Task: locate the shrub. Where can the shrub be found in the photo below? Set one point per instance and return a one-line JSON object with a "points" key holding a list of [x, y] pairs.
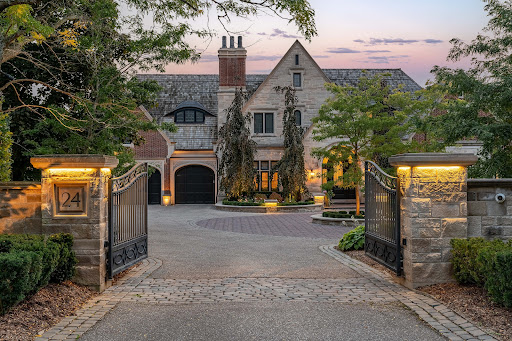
{"points": [[293, 203], [352, 240], [260, 197], [276, 196], [499, 284], [341, 214], [485, 263], [29, 262], [241, 203]]}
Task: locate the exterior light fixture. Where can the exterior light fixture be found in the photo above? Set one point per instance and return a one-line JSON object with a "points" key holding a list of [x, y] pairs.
{"points": [[166, 198], [319, 199]]}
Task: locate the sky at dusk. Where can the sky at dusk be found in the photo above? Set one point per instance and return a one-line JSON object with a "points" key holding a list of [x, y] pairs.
{"points": [[408, 34]]}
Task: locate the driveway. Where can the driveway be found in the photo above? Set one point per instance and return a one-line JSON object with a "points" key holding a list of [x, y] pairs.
{"points": [[231, 276]]}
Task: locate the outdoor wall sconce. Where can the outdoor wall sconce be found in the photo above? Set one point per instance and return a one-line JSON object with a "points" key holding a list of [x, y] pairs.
{"points": [[166, 198]]}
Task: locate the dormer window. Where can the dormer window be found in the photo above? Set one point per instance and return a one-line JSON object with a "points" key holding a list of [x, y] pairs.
{"points": [[189, 112], [297, 80]]}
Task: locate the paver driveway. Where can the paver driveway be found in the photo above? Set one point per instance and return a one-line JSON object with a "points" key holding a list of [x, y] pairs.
{"points": [[227, 276]]}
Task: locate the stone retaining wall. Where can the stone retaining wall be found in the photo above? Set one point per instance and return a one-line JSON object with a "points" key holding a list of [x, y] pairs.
{"points": [[20, 207], [487, 217]]}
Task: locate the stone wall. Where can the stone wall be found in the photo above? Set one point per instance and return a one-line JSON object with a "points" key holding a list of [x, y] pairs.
{"points": [[486, 217], [20, 207]]}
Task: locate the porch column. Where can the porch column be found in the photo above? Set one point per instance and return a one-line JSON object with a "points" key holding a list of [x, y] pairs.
{"points": [[74, 198], [433, 206]]}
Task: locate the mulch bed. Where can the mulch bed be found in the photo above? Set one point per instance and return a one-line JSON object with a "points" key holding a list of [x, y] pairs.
{"points": [[43, 310], [471, 302]]}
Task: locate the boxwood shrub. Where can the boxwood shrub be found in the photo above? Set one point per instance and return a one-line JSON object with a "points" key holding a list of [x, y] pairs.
{"points": [[485, 263], [343, 214], [30, 262]]}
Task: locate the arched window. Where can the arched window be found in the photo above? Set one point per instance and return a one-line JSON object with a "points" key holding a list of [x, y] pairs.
{"points": [[189, 112], [298, 118]]}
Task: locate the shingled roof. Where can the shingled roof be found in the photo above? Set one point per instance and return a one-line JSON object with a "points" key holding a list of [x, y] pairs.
{"points": [[177, 88]]}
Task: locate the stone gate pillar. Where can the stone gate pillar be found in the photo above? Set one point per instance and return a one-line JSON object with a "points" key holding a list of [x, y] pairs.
{"points": [[74, 199], [433, 207]]}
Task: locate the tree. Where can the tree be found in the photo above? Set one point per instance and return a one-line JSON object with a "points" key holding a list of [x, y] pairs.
{"points": [[83, 58], [291, 168], [480, 103], [370, 122], [236, 168]]}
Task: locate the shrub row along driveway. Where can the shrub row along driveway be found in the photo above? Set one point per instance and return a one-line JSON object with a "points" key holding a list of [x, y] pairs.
{"points": [[213, 284]]}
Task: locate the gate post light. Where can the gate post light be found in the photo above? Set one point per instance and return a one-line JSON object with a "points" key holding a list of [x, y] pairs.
{"points": [[75, 199], [433, 209], [166, 198]]}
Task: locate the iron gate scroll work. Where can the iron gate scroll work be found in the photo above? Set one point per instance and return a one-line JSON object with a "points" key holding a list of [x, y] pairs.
{"points": [[382, 218], [128, 219]]}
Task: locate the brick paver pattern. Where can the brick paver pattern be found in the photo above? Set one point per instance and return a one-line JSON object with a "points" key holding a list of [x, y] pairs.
{"points": [[373, 286], [288, 225]]}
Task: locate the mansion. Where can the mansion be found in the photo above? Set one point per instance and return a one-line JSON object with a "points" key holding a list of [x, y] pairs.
{"points": [[186, 161]]}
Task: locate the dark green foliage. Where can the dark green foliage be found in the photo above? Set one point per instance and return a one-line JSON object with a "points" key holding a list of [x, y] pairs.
{"points": [[241, 203], [291, 168], [343, 214], [29, 262], [295, 203], [478, 100], [485, 263], [352, 240], [237, 149], [499, 280], [464, 259], [5, 147]]}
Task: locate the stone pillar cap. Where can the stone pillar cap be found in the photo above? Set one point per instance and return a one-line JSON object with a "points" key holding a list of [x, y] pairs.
{"points": [[74, 161], [433, 159]]}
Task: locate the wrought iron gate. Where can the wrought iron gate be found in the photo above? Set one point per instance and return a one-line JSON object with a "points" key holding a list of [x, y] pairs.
{"points": [[382, 218], [128, 219]]}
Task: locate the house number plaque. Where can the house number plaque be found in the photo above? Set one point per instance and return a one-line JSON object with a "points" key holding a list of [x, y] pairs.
{"points": [[70, 199]]}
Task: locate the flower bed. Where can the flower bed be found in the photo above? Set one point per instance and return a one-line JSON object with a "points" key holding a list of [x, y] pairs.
{"points": [[343, 214]]}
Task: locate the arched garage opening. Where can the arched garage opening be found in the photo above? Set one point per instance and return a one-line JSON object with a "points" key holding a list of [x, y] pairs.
{"points": [[194, 185], [155, 187]]}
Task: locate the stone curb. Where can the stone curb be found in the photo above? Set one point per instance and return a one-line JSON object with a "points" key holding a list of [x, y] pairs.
{"points": [[437, 315]]}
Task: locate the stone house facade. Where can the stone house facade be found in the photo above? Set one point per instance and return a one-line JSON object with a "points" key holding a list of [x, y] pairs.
{"points": [[186, 161]]}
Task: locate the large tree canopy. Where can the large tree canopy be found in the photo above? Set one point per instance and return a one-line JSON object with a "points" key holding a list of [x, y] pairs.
{"points": [[68, 68], [480, 105]]}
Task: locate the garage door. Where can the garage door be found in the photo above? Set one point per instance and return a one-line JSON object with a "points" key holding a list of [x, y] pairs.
{"points": [[195, 185]]}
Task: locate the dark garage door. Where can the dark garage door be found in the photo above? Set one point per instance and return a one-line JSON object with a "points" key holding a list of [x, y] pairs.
{"points": [[195, 185]]}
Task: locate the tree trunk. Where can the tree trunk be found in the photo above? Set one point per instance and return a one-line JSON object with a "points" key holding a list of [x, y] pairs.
{"points": [[358, 205]]}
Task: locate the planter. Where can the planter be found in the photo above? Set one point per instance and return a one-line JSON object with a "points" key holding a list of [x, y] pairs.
{"points": [[349, 222], [270, 209]]}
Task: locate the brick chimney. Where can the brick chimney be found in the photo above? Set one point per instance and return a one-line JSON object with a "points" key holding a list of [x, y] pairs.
{"points": [[232, 63]]}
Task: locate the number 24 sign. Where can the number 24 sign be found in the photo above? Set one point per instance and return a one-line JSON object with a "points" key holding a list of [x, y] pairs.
{"points": [[70, 199]]}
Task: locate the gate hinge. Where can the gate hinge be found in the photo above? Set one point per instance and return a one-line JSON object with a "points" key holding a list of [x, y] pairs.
{"points": [[106, 243]]}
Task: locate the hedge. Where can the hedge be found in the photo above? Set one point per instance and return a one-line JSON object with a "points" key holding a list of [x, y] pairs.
{"points": [[30, 262], [485, 263], [244, 203], [343, 214]]}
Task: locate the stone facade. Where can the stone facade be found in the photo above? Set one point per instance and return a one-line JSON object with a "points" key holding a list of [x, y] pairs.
{"points": [[87, 175], [20, 207], [490, 216], [433, 210], [215, 93]]}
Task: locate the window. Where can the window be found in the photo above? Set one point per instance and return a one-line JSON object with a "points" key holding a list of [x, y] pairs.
{"points": [[263, 122], [189, 116], [297, 81], [263, 180], [298, 118], [296, 59]]}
